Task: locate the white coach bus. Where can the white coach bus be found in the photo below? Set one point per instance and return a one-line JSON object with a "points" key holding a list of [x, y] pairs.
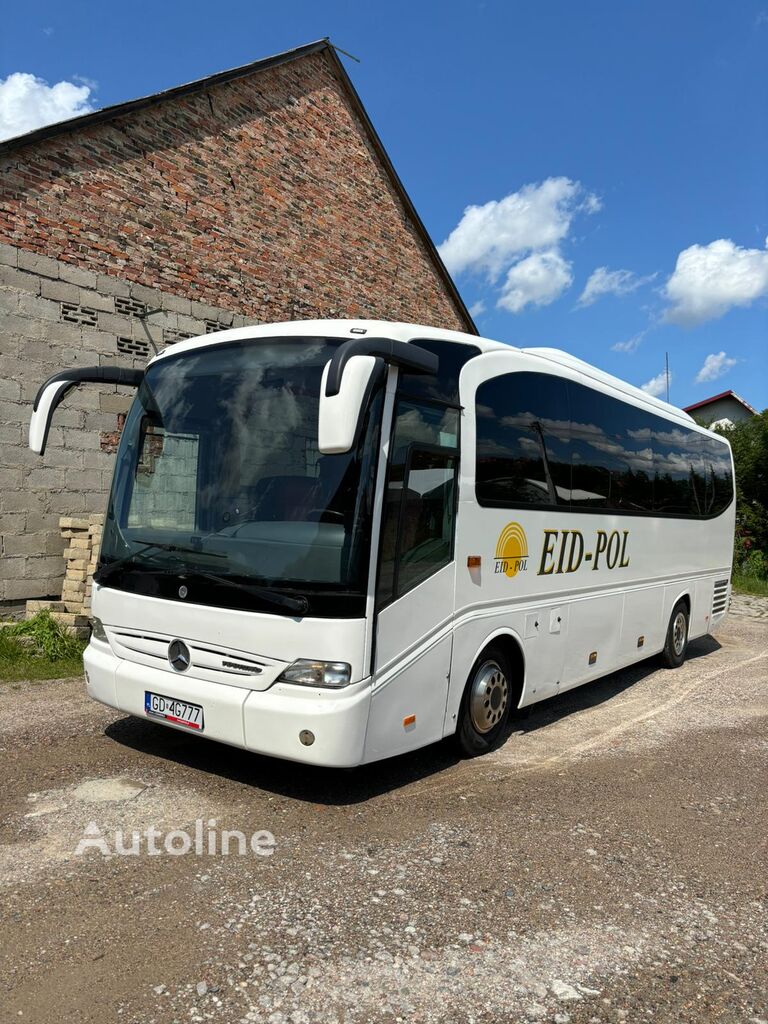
{"points": [[335, 541]]}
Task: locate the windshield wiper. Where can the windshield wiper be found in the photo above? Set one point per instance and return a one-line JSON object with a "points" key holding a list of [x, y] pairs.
{"points": [[166, 546], [292, 604], [107, 570]]}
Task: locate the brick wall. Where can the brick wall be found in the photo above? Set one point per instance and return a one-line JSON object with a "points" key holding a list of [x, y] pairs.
{"points": [[262, 194]]}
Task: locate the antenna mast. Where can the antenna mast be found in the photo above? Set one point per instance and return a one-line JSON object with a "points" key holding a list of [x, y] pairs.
{"points": [[666, 371]]}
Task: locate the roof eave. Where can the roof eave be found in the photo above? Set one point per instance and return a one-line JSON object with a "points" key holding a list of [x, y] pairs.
{"points": [[116, 110]]}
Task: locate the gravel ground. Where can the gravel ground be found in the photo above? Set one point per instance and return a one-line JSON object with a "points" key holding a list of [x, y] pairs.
{"points": [[606, 864]]}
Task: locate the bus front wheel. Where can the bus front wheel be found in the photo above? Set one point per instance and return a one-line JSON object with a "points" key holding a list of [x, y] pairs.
{"points": [[486, 703], [676, 644]]}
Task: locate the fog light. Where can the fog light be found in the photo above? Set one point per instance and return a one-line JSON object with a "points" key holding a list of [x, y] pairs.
{"points": [[328, 674], [307, 737], [97, 630]]}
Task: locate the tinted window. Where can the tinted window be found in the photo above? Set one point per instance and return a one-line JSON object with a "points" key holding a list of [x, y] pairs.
{"points": [[444, 386], [718, 473], [675, 456], [611, 451], [523, 448], [419, 505], [531, 426]]}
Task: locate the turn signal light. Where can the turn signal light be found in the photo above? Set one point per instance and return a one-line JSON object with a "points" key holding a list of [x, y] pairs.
{"points": [[474, 561]]}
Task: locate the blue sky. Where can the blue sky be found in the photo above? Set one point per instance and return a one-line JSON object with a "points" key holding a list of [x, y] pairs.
{"points": [[627, 137]]}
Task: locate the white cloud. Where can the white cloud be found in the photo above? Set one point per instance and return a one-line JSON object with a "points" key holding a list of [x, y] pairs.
{"points": [[477, 308], [708, 280], [520, 236], [715, 365], [631, 345], [657, 386], [537, 280], [27, 102], [538, 216], [603, 281]]}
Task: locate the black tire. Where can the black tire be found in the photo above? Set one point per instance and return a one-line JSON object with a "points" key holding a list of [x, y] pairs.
{"points": [[486, 704], [676, 643]]}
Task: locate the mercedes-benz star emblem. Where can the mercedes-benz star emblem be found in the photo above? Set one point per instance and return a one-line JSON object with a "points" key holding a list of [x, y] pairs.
{"points": [[178, 655], [183, 591]]}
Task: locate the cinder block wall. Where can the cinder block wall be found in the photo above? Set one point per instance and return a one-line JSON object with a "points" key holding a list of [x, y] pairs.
{"points": [[54, 315], [260, 199]]}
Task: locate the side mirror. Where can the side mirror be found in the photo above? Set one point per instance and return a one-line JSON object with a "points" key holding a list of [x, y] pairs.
{"points": [[339, 414], [345, 381], [60, 384]]}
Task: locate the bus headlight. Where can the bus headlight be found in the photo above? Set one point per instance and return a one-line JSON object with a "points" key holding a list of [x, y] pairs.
{"points": [[330, 674]]}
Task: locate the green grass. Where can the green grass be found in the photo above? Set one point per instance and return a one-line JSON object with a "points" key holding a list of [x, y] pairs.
{"points": [[750, 585], [39, 648]]}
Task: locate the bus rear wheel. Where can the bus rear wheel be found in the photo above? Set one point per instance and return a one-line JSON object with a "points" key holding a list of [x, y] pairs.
{"points": [[486, 703], [676, 644]]}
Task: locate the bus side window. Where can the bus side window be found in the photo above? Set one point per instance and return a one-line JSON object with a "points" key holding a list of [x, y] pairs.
{"points": [[419, 506], [719, 474], [523, 441], [675, 459], [612, 452]]}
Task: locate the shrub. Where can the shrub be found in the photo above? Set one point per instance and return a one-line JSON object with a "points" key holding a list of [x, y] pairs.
{"points": [[755, 566], [39, 637]]}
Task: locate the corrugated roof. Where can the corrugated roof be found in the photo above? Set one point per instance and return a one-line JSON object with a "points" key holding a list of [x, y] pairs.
{"points": [[97, 117]]}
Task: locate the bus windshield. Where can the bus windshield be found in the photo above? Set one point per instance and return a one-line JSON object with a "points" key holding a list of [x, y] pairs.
{"points": [[220, 494]]}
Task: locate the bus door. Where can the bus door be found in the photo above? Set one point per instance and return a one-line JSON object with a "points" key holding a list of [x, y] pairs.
{"points": [[416, 579]]}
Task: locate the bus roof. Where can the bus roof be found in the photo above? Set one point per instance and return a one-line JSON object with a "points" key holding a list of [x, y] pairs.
{"points": [[418, 332]]}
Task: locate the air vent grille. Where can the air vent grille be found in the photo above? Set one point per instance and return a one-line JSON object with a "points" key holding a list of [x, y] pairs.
{"points": [[129, 347], [720, 597]]}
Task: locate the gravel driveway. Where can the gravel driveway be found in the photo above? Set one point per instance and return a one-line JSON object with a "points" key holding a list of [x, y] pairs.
{"points": [[608, 863]]}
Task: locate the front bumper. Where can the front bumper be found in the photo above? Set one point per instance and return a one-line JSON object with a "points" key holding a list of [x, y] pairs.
{"points": [[265, 722]]}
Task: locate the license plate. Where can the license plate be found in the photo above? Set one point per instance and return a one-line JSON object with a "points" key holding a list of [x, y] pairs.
{"points": [[180, 712]]}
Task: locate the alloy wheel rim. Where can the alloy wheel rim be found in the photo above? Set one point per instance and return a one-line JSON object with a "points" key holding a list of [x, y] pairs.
{"points": [[488, 697], [678, 633]]}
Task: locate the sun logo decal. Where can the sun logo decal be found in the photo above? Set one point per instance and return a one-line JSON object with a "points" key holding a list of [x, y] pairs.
{"points": [[511, 550]]}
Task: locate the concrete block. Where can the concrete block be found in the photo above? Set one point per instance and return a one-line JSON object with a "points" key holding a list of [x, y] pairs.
{"points": [[112, 323], [10, 277], [10, 389], [60, 291], [9, 300], [100, 341], [109, 285], [150, 296], [59, 336], [9, 255], [192, 324], [33, 607], [177, 304], [12, 567], [10, 433], [23, 588], [78, 275], [94, 300], [202, 311], [13, 523], [46, 477], [10, 478], [39, 308], [74, 523], [37, 264], [26, 544]]}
